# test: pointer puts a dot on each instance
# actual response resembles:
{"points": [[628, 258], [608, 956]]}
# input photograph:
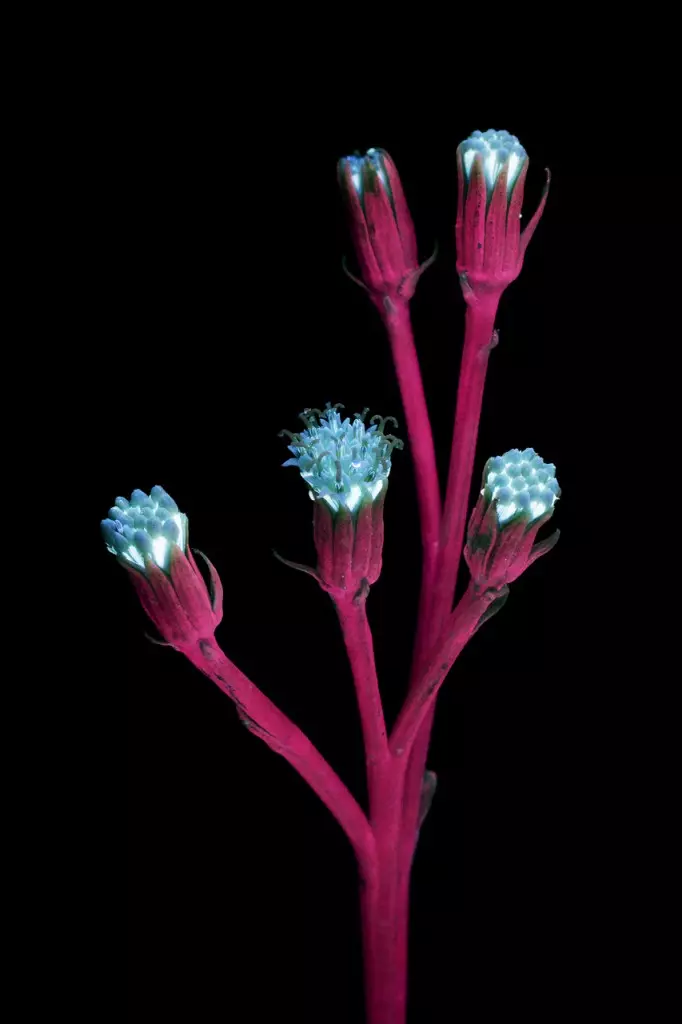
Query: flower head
{"points": [[344, 463], [520, 483], [381, 224], [146, 526], [149, 536], [518, 494], [346, 467], [499, 151], [492, 168]]}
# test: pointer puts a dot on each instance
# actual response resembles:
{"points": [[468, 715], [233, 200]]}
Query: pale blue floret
{"points": [[143, 542], [497, 149], [171, 531], [164, 500], [520, 481], [118, 542], [146, 526], [139, 498], [343, 462]]}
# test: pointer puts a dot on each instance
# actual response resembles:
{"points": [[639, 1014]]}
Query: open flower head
{"points": [[497, 150], [345, 463], [146, 526], [521, 484]]}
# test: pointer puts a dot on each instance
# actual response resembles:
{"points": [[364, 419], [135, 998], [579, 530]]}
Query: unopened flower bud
{"points": [[381, 224], [492, 168], [519, 491], [151, 541]]}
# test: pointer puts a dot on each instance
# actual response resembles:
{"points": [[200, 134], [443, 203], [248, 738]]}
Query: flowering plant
{"points": [[345, 462]]}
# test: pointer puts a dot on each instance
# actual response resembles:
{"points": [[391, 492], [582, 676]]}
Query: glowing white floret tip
{"points": [[497, 150], [373, 158], [520, 482], [146, 526]]}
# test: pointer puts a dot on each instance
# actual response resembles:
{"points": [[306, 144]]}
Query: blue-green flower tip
{"points": [[145, 528], [497, 149], [343, 462], [520, 482]]}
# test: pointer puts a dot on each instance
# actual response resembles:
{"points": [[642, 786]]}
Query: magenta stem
{"points": [[384, 899], [459, 628], [416, 768], [478, 341], [265, 720], [399, 328], [357, 636], [385, 895], [439, 581], [385, 909], [479, 326], [384, 905]]}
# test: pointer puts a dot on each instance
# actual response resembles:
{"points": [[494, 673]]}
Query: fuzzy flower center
{"points": [[147, 525], [519, 481], [497, 149], [342, 461]]}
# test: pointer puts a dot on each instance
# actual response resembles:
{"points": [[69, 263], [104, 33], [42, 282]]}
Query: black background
{"points": [[220, 310]]}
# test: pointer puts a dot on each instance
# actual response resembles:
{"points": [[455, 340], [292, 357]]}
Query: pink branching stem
{"points": [[385, 892], [414, 779], [399, 328], [384, 905], [459, 628], [385, 902], [357, 636], [478, 342], [265, 720], [479, 326], [410, 740]]}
